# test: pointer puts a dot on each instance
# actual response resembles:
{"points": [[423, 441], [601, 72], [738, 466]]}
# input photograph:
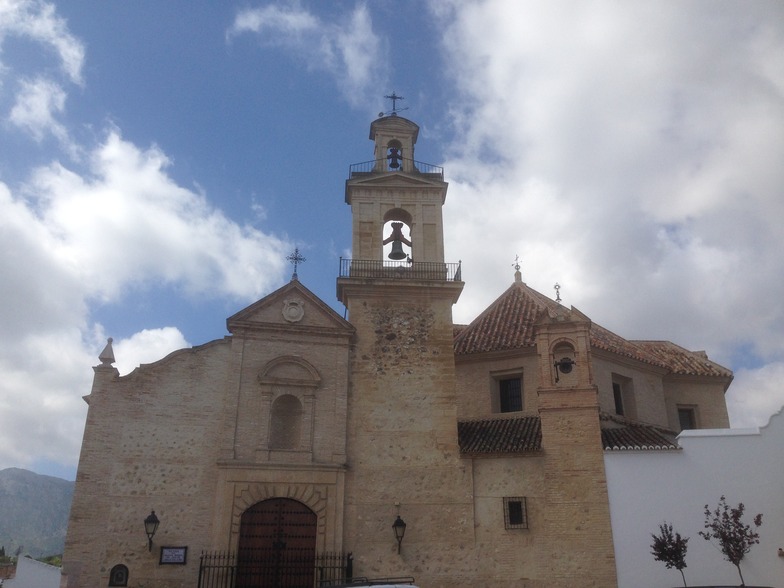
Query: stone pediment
{"points": [[292, 307], [397, 179]]}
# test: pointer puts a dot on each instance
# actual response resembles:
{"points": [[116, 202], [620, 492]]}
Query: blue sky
{"points": [[158, 161]]}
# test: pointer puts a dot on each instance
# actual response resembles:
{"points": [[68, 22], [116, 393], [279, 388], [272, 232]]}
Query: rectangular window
{"points": [[618, 396], [510, 394], [515, 512], [623, 396], [687, 417]]}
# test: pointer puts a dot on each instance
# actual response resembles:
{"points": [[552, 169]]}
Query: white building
{"points": [[31, 573], [647, 488]]}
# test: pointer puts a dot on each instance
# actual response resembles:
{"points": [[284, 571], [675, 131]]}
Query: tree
{"points": [[670, 548], [734, 537]]}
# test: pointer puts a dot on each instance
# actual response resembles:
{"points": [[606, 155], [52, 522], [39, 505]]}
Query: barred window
{"points": [[687, 417], [510, 394], [515, 512]]}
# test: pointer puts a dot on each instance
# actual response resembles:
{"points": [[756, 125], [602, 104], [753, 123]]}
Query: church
{"points": [[306, 449]]}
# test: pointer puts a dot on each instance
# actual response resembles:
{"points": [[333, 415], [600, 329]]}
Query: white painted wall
{"points": [[34, 574], [647, 488]]}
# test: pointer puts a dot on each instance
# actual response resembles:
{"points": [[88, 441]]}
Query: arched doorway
{"points": [[277, 547]]}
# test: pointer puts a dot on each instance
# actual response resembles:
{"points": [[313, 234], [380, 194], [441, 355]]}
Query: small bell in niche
{"points": [[394, 158], [564, 365], [397, 239]]}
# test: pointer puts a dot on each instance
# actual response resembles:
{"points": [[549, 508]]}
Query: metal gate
{"points": [[219, 569]]}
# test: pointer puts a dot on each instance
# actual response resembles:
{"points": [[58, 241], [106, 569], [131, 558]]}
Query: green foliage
{"points": [[53, 560], [735, 538], [669, 547]]}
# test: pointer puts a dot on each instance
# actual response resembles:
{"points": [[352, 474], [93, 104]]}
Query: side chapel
{"points": [[303, 448]]}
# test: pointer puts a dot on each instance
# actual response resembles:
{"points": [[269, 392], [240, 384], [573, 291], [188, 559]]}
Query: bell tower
{"points": [[402, 451], [393, 195]]}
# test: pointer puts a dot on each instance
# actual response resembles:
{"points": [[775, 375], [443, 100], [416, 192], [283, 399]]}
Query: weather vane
{"points": [[295, 259], [516, 264], [394, 98], [557, 292]]}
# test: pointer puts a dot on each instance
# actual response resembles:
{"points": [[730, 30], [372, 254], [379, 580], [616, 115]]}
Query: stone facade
{"points": [[355, 422]]}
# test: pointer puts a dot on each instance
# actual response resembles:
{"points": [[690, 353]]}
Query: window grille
{"points": [[510, 394], [687, 417], [515, 512]]}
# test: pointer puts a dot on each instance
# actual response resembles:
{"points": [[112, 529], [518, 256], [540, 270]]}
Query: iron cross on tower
{"points": [[394, 98]]}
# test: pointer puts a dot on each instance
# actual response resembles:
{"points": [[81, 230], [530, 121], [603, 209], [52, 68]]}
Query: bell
{"points": [[397, 252], [394, 158]]}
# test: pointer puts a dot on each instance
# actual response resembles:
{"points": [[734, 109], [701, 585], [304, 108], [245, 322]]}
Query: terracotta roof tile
{"points": [[508, 323], [601, 338], [620, 434], [500, 436], [457, 329], [683, 361], [523, 435]]}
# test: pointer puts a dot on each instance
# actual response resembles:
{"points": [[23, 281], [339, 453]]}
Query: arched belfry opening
{"points": [[394, 138], [396, 242], [395, 155], [564, 360]]}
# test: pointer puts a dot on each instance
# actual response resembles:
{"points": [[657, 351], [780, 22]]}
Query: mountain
{"points": [[33, 512]]}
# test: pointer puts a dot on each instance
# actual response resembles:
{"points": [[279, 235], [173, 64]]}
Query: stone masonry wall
{"points": [[402, 444]]}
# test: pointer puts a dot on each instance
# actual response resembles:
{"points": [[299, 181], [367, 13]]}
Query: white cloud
{"points": [[74, 239], [630, 152], [147, 346], [348, 48], [756, 394], [37, 102], [128, 222], [286, 21], [38, 21], [40, 100]]}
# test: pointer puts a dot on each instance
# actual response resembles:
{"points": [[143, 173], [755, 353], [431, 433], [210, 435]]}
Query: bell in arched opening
{"points": [[398, 240]]}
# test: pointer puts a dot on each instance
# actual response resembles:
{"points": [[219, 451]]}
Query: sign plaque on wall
{"points": [[174, 555]]}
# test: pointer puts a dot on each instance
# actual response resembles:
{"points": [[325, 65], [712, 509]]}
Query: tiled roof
{"points": [[457, 329], [620, 434], [601, 338], [500, 436], [523, 435], [508, 323], [683, 361]]}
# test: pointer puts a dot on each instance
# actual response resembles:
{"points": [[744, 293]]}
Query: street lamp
{"points": [[399, 527], [151, 526]]}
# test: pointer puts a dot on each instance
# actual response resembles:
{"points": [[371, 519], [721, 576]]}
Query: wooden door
{"points": [[277, 547]]}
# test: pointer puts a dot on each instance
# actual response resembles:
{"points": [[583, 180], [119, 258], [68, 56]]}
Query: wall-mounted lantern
{"points": [[150, 527], [399, 527]]}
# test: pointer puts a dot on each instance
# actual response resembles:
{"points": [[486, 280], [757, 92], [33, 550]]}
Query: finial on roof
{"points": [[394, 98], [107, 355], [295, 258], [516, 265], [557, 292]]}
